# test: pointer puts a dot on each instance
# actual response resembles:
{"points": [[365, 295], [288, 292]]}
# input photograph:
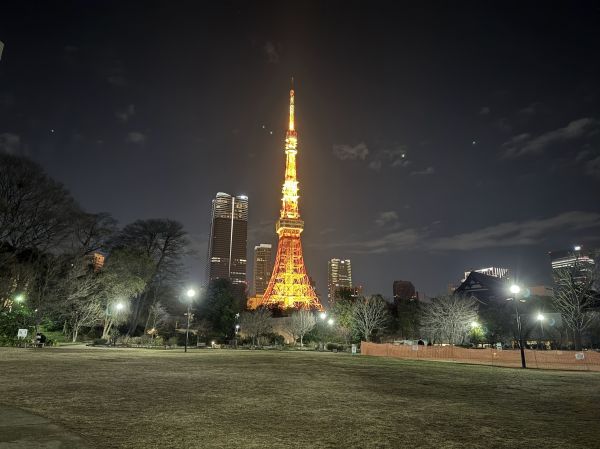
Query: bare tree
{"points": [[574, 299], [86, 314], [448, 318], [299, 324], [92, 232], [256, 323], [77, 295], [124, 276], [164, 242], [369, 315]]}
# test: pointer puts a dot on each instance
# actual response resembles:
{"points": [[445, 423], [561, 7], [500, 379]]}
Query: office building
{"points": [[339, 275], [263, 267], [489, 271], [228, 239]]}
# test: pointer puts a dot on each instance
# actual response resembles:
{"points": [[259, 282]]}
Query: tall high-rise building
{"points": [[339, 275], [289, 286], [228, 239], [263, 266]]}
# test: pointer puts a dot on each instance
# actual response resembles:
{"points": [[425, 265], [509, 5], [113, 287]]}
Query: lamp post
{"points": [[191, 293], [540, 317], [108, 323], [515, 290]]}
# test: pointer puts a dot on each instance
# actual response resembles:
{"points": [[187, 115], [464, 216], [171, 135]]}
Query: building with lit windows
{"points": [[339, 275], [228, 239], [263, 266], [489, 271], [570, 258]]}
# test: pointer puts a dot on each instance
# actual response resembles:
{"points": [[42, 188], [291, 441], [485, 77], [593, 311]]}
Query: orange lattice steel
{"points": [[289, 286]]}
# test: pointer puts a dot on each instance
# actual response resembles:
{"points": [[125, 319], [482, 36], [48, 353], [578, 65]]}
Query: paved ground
{"points": [[23, 430]]}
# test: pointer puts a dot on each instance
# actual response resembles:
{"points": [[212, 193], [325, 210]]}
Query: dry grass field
{"points": [[135, 398]]}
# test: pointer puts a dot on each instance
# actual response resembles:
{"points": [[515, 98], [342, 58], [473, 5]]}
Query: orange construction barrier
{"points": [[541, 359]]}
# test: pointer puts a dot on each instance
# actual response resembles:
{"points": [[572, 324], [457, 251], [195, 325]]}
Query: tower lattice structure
{"points": [[289, 286]]}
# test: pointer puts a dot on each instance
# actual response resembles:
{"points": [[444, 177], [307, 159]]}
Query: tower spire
{"points": [[291, 127]]}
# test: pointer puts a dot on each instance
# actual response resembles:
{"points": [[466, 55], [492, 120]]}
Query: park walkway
{"points": [[20, 429]]}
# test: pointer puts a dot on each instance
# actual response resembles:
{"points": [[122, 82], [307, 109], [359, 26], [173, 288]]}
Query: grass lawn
{"points": [[128, 398]]}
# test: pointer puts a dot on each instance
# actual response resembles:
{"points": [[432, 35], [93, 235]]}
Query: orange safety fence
{"points": [[543, 359]]}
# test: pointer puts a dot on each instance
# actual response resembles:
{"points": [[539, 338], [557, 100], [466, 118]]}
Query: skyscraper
{"points": [[289, 286], [228, 238], [339, 274], [263, 266]]}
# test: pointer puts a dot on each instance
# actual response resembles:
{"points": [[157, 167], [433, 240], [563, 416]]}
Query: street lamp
{"points": [[474, 324], [515, 290], [323, 315], [191, 293], [540, 317], [330, 321], [119, 306]]}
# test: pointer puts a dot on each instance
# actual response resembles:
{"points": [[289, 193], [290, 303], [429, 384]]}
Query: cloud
{"points": [[375, 165], [512, 233], [392, 158], [592, 167], [126, 114], [261, 233], [485, 110], [390, 242], [401, 163], [136, 137], [523, 144], [117, 80], [502, 124], [507, 234], [529, 110], [343, 151], [428, 171], [271, 52], [385, 218], [10, 143]]}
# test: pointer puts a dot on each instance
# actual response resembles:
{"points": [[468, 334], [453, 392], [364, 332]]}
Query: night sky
{"points": [[433, 138]]}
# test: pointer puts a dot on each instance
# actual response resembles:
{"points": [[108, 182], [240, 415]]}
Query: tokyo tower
{"points": [[289, 286]]}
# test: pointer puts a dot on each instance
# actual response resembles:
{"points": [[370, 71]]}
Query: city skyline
{"points": [[425, 151]]}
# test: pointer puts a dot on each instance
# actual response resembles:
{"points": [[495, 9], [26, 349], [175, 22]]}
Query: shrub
{"points": [[100, 342], [331, 346], [8, 341]]}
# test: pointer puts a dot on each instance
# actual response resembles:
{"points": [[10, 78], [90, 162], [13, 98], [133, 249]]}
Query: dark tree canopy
{"points": [[35, 210]]}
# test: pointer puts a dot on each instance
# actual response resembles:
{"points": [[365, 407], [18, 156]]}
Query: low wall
{"points": [[564, 360]]}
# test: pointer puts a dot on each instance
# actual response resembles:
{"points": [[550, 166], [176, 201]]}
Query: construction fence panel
{"points": [[542, 359]]}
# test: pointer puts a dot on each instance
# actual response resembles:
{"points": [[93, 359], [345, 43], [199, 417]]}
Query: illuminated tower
{"points": [[289, 286]]}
